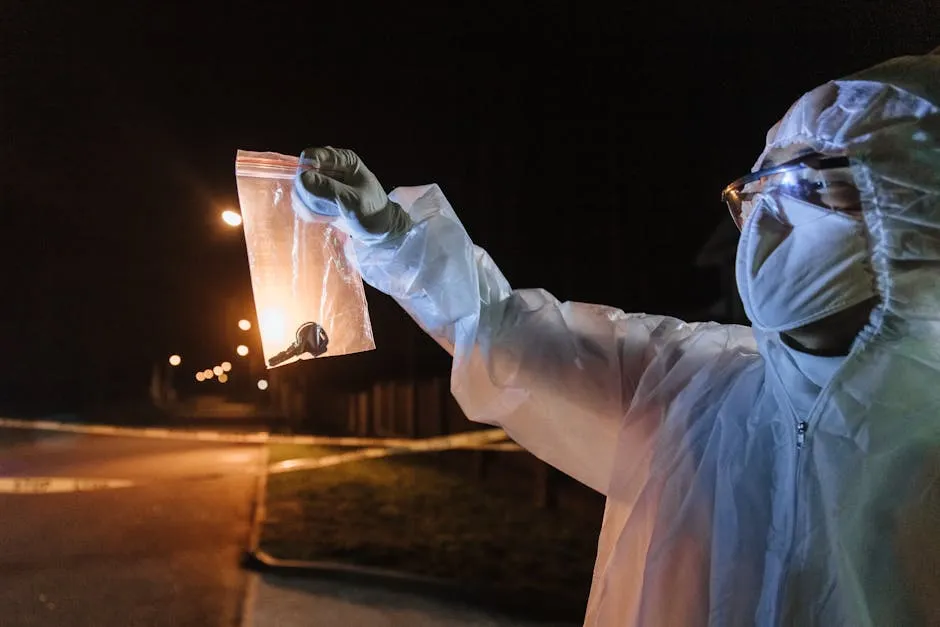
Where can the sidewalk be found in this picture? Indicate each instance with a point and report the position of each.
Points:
(277, 601)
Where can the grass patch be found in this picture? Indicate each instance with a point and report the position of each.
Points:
(417, 514)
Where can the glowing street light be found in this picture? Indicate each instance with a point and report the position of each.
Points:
(223, 378)
(217, 371)
(226, 366)
(232, 218)
(175, 360)
(200, 376)
(242, 350)
(262, 384)
(244, 325)
(208, 374)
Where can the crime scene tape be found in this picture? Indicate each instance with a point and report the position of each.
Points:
(442, 443)
(489, 439)
(312, 463)
(48, 485)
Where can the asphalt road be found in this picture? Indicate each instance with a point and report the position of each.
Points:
(163, 551)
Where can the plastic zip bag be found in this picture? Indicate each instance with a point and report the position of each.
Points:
(308, 295)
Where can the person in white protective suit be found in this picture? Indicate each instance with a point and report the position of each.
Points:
(782, 474)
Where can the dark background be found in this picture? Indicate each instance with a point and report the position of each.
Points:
(584, 147)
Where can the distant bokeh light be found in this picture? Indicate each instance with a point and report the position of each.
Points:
(242, 350)
(232, 218)
(262, 384)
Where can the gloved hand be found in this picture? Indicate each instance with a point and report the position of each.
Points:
(339, 188)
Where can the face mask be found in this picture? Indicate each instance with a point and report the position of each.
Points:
(798, 263)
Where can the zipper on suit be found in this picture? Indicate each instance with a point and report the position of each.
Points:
(801, 428)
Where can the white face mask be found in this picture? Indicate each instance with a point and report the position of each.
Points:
(811, 266)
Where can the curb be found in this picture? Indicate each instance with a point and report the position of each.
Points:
(530, 607)
(257, 504)
(256, 522)
(262, 562)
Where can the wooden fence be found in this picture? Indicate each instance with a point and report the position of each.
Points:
(408, 409)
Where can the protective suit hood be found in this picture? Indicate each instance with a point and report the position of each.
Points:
(885, 119)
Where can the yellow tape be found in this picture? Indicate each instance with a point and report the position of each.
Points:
(473, 439)
(489, 439)
(47, 485)
(313, 463)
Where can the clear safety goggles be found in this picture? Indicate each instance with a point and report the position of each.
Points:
(826, 182)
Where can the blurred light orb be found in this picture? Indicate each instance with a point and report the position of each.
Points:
(244, 325)
(226, 366)
(200, 376)
(242, 350)
(175, 360)
(208, 374)
(232, 218)
(262, 384)
(217, 371)
(223, 378)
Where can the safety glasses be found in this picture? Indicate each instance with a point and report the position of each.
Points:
(823, 181)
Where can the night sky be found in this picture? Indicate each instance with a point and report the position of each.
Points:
(584, 149)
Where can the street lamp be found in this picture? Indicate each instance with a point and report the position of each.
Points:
(232, 218)
(175, 360)
(244, 325)
(242, 350)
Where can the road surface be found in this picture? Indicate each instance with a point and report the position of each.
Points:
(162, 551)
(111, 531)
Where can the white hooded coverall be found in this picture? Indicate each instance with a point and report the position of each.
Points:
(746, 484)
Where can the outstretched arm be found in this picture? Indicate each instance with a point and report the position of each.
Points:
(558, 377)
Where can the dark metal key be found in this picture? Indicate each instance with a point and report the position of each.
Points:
(310, 338)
